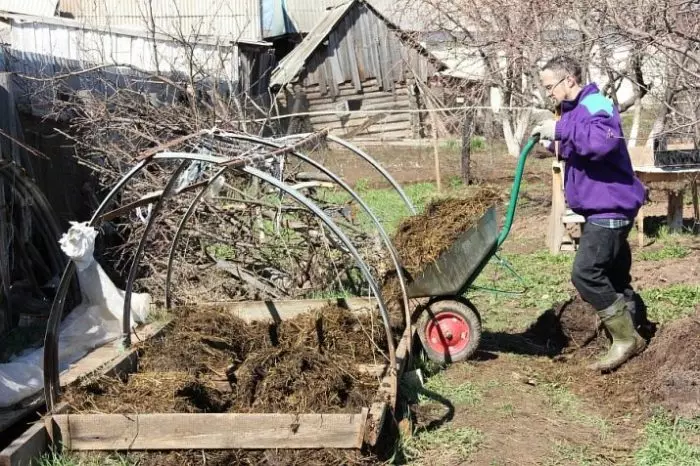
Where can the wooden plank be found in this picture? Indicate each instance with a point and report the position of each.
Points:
(108, 360)
(669, 176)
(116, 432)
(375, 422)
(674, 215)
(360, 120)
(388, 386)
(319, 98)
(377, 370)
(111, 359)
(556, 227)
(373, 98)
(277, 311)
(349, 42)
(30, 445)
(102, 356)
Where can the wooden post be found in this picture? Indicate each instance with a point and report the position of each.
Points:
(696, 205)
(436, 154)
(675, 211)
(640, 227)
(556, 227)
(467, 132)
(640, 214)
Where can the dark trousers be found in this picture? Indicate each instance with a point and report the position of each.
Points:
(601, 271)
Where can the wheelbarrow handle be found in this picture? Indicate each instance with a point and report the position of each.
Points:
(515, 190)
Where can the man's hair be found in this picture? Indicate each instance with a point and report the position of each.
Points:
(564, 65)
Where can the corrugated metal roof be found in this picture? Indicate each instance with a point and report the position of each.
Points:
(123, 30)
(305, 14)
(30, 7)
(238, 19)
(461, 62)
(56, 46)
(65, 40)
(409, 16)
(290, 65)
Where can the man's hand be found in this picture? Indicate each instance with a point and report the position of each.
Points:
(545, 129)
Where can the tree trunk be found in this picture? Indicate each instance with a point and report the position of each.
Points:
(675, 211)
(636, 120)
(467, 133)
(514, 136)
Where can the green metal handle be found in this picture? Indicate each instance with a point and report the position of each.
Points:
(515, 191)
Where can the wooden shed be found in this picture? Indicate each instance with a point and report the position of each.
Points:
(355, 66)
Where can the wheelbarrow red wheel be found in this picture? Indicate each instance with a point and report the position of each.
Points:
(449, 331)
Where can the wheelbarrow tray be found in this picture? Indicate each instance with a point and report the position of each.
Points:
(457, 267)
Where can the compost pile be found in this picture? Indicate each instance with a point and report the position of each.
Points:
(421, 239)
(668, 372)
(237, 457)
(569, 327)
(213, 362)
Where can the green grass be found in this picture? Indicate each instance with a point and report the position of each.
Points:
(671, 303)
(222, 251)
(567, 454)
(668, 251)
(465, 393)
(546, 281)
(57, 459)
(386, 204)
(446, 445)
(668, 442)
(566, 403)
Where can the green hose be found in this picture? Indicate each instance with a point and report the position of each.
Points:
(515, 191)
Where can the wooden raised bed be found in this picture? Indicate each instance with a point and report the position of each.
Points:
(107, 360)
(209, 431)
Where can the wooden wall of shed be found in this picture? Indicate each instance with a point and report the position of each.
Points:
(375, 125)
(364, 65)
(363, 49)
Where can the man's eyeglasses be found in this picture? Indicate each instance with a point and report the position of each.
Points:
(549, 87)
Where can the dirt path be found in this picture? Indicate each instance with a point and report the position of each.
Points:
(514, 405)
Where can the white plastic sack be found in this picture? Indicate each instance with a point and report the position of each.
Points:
(96, 321)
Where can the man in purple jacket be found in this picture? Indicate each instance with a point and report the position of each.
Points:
(600, 185)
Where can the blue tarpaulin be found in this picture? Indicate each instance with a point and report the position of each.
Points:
(275, 19)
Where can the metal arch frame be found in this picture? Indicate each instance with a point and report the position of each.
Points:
(50, 360)
(396, 261)
(51, 363)
(178, 232)
(299, 198)
(345, 240)
(367, 158)
(51, 374)
(128, 290)
(41, 210)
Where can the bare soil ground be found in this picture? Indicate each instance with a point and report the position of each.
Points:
(532, 400)
(527, 397)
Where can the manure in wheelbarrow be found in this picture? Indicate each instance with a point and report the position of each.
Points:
(421, 239)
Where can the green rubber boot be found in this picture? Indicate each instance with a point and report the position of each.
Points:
(626, 342)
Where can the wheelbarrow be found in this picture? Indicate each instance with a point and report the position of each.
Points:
(449, 326)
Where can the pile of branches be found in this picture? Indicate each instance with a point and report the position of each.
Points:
(246, 240)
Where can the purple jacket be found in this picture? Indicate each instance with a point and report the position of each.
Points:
(598, 180)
